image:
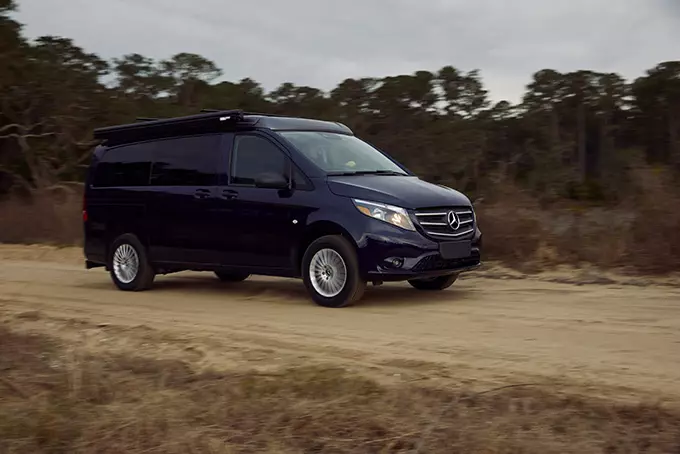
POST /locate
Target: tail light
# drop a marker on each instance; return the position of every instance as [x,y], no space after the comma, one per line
[84,208]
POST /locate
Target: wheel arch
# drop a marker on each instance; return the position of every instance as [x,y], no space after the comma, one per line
[313,232]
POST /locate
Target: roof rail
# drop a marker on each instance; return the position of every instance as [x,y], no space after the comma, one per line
[146,119]
[152,126]
[262,114]
[257,114]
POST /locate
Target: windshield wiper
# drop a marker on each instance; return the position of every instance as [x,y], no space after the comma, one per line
[366,172]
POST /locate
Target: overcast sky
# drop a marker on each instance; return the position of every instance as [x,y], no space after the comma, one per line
[322,42]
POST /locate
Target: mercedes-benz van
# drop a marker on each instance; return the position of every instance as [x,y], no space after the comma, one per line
[238,194]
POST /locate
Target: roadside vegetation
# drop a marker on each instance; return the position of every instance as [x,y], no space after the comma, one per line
[67,397]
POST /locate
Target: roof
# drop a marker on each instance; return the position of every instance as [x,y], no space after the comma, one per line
[212,121]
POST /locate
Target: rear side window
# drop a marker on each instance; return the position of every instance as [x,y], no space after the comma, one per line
[186,161]
[124,166]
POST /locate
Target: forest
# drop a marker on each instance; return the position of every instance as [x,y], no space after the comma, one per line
[585,169]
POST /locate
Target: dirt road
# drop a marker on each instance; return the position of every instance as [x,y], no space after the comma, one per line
[613,339]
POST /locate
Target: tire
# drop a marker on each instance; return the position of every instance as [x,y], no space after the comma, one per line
[331,247]
[437,283]
[231,276]
[129,246]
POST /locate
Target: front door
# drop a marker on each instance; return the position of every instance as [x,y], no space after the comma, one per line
[264,225]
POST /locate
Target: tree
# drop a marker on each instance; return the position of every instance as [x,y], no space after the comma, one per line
[247,94]
[10,37]
[140,77]
[657,112]
[295,100]
[188,73]
[464,94]
[48,113]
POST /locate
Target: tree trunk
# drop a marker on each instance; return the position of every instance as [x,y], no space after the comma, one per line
[581,139]
[605,145]
[555,135]
[673,148]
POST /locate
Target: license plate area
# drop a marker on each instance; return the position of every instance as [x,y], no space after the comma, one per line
[452,250]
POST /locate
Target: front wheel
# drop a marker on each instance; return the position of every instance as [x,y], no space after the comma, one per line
[330,269]
[435,283]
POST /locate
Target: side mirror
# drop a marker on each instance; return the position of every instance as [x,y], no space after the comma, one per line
[271,181]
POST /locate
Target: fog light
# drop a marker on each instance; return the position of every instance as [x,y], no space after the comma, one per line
[395,262]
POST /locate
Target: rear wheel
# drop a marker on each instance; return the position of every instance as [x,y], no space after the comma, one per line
[231,276]
[435,283]
[330,270]
[129,264]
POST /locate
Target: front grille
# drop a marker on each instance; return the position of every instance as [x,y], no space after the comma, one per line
[454,223]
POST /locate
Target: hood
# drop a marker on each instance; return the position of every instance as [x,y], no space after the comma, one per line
[407,191]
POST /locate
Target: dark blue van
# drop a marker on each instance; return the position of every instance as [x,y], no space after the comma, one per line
[238,193]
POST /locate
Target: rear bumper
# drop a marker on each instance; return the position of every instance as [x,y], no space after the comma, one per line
[410,255]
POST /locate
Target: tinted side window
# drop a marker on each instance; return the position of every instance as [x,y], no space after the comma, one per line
[124,166]
[186,161]
[253,156]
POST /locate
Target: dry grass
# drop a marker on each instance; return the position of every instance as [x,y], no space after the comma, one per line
[53,217]
[59,399]
[654,239]
[642,234]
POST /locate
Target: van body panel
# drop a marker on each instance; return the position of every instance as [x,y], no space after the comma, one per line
[404,191]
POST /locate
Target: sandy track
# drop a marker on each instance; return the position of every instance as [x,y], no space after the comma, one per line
[617,340]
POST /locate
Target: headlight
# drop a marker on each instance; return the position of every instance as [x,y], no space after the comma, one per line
[396,216]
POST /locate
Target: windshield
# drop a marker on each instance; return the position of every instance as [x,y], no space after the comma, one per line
[341,154]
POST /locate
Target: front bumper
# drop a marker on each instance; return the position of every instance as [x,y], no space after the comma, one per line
[404,255]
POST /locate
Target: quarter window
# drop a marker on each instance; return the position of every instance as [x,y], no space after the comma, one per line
[124,166]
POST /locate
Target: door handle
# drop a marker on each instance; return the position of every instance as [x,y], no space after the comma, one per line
[202,194]
[229,194]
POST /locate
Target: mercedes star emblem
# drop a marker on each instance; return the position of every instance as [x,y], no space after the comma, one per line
[452,220]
